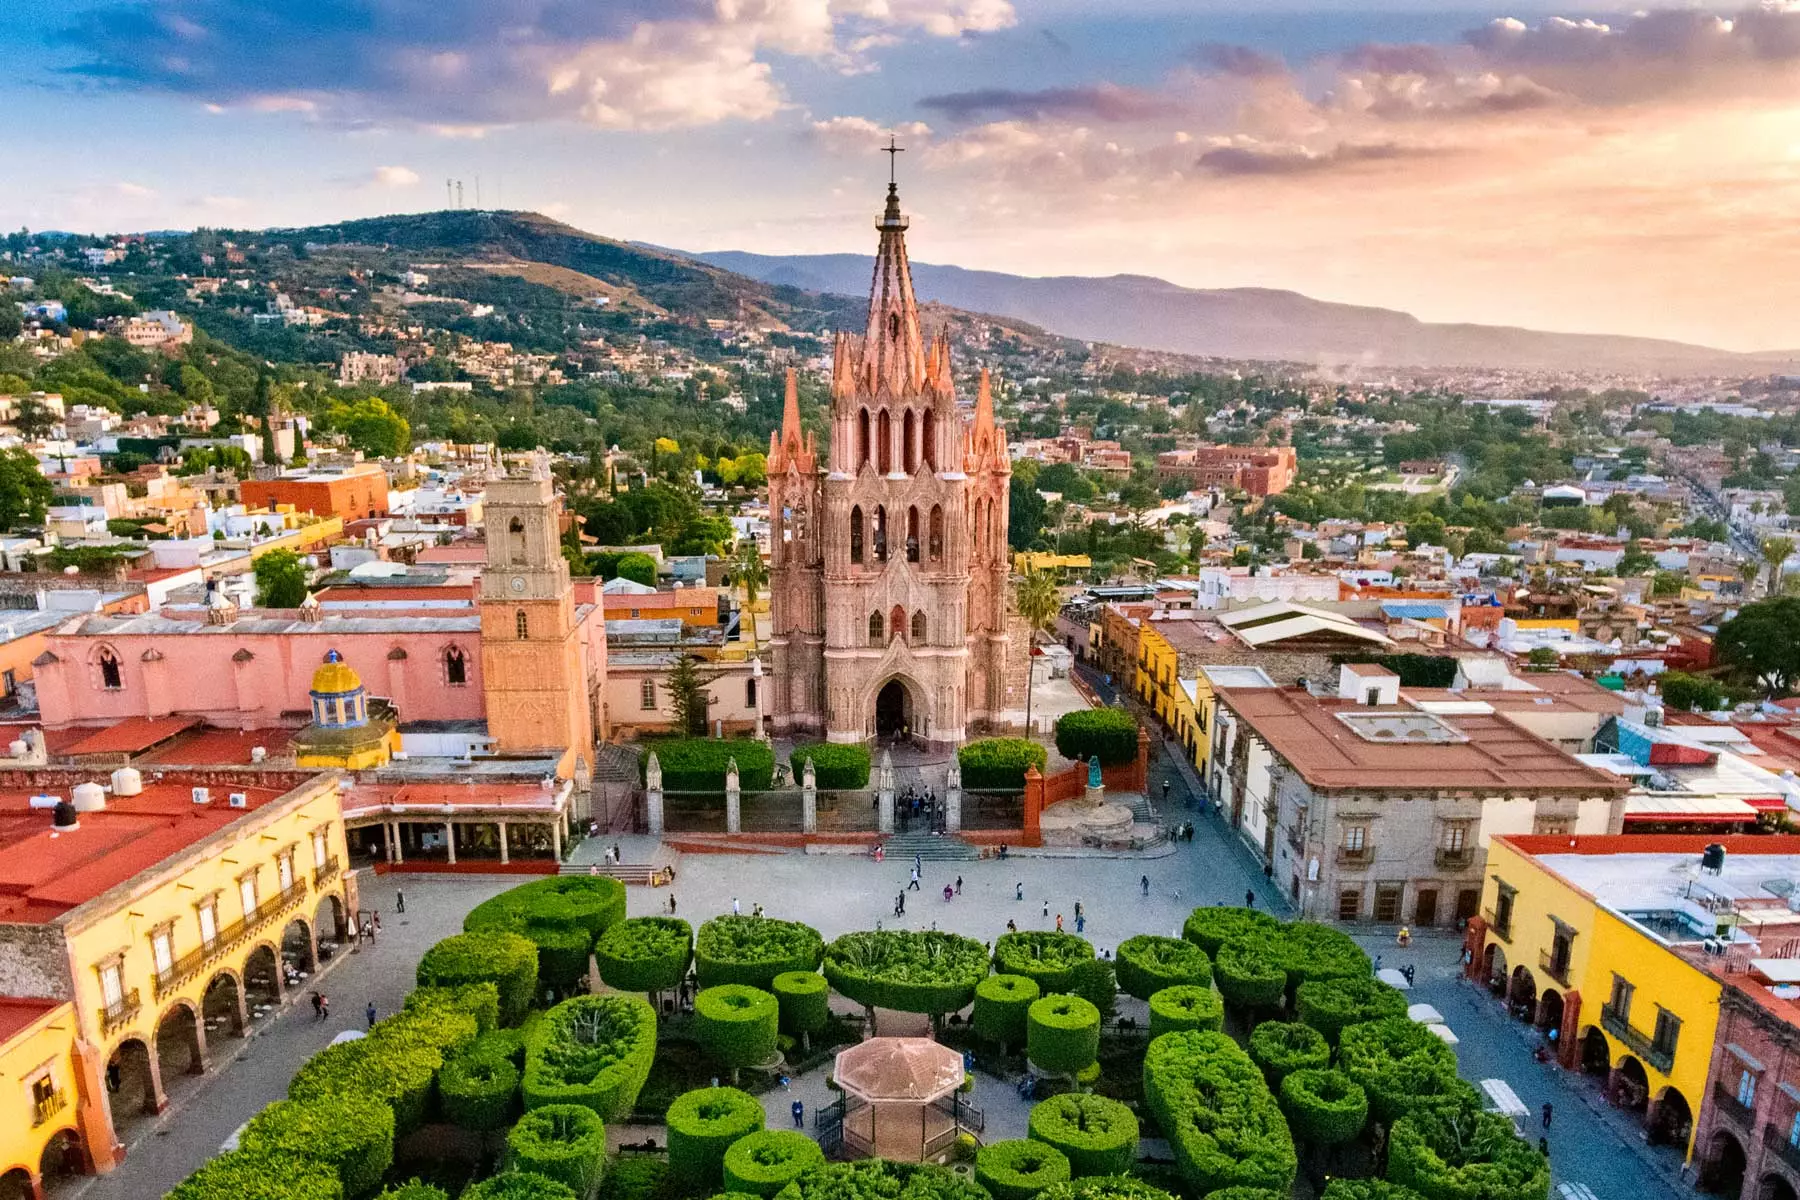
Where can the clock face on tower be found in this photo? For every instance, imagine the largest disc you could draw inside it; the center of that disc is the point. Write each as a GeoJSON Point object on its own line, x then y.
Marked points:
{"type": "Point", "coordinates": [518, 583]}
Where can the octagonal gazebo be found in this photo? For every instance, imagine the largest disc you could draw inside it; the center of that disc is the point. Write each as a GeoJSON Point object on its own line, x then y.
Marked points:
{"type": "Point", "coordinates": [900, 1097]}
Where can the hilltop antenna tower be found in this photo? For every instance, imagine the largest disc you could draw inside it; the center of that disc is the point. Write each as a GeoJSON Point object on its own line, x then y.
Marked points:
{"type": "Point", "coordinates": [449, 195]}
{"type": "Point", "coordinates": [459, 198]}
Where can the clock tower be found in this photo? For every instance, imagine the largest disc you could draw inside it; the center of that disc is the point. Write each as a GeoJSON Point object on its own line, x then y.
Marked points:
{"type": "Point", "coordinates": [532, 662]}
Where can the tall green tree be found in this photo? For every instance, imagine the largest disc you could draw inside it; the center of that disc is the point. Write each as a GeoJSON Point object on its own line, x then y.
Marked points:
{"type": "Point", "coordinates": [280, 580]}
{"type": "Point", "coordinates": [687, 696]}
{"type": "Point", "coordinates": [24, 492]}
{"type": "Point", "coordinates": [1775, 552]}
{"type": "Point", "coordinates": [748, 570]}
{"type": "Point", "coordinates": [1763, 643]}
{"type": "Point", "coordinates": [1039, 602]}
{"type": "Point", "coordinates": [372, 427]}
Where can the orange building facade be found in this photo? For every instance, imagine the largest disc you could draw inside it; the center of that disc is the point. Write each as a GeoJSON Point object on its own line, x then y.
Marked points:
{"type": "Point", "coordinates": [354, 494]}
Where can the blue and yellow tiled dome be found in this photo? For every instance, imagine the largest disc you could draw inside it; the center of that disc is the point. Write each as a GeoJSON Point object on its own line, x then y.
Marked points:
{"type": "Point", "coordinates": [338, 700]}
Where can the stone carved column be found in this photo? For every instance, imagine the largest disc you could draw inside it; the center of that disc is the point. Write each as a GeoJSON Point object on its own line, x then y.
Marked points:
{"type": "Point", "coordinates": [809, 800]}
{"type": "Point", "coordinates": [733, 798]}
{"type": "Point", "coordinates": [653, 795]}
{"type": "Point", "coordinates": [953, 799]}
{"type": "Point", "coordinates": [884, 791]}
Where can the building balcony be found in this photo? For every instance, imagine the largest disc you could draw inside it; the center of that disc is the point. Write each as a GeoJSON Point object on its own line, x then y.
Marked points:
{"type": "Point", "coordinates": [184, 969]}
{"type": "Point", "coordinates": [1456, 859]}
{"type": "Point", "coordinates": [45, 1107]}
{"type": "Point", "coordinates": [1501, 931]}
{"type": "Point", "coordinates": [1355, 856]}
{"type": "Point", "coordinates": [1726, 1104]}
{"type": "Point", "coordinates": [1776, 1139]}
{"type": "Point", "coordinates": [1555, 968]}
{"type": "Point", "coordinates": [1639, 1043]}
{"type": "Point", "coordinates": [116, 1016]}
{"type": "Point", "coordinates": [327, 872]}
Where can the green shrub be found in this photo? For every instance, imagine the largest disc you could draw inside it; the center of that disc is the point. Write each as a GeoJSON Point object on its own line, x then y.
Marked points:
{"type": "Point", "coordinates": [805, 1000]}
{"type": "Point", "coordinates": [998, 764]}
{"type": "Point", "coordinates": [1175, 1009]}
{"type": "Point", "coordinates": [508, 961]}
{"type": "Point", "coordinates": [637, 1177]}
{"type": "Point", "coordinates": [478, 1000]}
{"type": "Point", "coordinates": [441, 1019]}
{"type": "Point", "coordinates": [1094, 982]}
{"type": "Point", "coordinates": [702, 1126]}
{"type": "Point", "coordinates": [1247, 978]}
{"type": "Point", "coordinates": [1019, 1170]}
{"type": "Point", "coordinates": [479, 1090]}
{"type": "Point", "coordinates": [1324, 1107]}
{"type": "Point", "coordinates": [244, 1175]}
{"type": "Point", "coordinates": [1099, 1136]}
{"type": "Point", "coordinates": [919, 972]}
{"type": "Point", "coordinates": [1330, 1005]}
{"type": "Point", "coordinates": [413, 1190]}
{"type": "Point", "coordinates": [500, 1043]}
{"type": "Point", "coordinates": [519, 1185]}
{"type": "Point", "coordinates": [1245, 1193]}
{"type": "Point", "coordinates": [1109, 734]}
{"type": "Point", "coordinates": [880, 1179]}
{"type": "Point", "coordinates": [563, 915]}
{"type": "Point", "coordinates": [1366, 1189]}
{"type": "Point", "coordinates": [353, 1135]}
{"type": "Point", "coordinates": [1282, 1047]}
{"type": "Point", "coordinates": [736, 1024]}
{"type": "Point", "coordinates": [564, 1142]}
{"type": "Point", "coordinates": [1048, 957]}
{"type": "Point", "coordinates": [1308, 951]}
{"type": "Point", "coordinates": [1001, 1005]}
{"type": "Point", "coordinates": [1062, 1034]}
{"type": "Point", "coordinates": [645, 954]}
{"type": "Point", "coordinates": [1105, 1187]}
{"type": "Point", "coordinates": [1443, 1155]}
{"type": "Point", "coordinates": [754, 950]}
{"type": "Point", "coordinates": [1212, 1103]}
{"type": "Point", "coordinates": [1402, 1065]}
{"type": "Point", "coordinates": [836, 768]}
{"type": "Point", "coordinates": [762, 1163]}
{"type": "Point", "coordinates": [1147, 964]}
{"type": "Point", "coordinates": [698, 764]}
{"type": "Point", "coordinates": [592, 1050]}
{"type": "Point", "coordinates": [397, 1073]}
{"type": "Point", "coordinates": [1210, 928]}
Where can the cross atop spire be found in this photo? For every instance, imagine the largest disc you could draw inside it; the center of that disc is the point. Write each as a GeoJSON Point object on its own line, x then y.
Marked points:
{"type": "Point", "coordinates": [893, 149]}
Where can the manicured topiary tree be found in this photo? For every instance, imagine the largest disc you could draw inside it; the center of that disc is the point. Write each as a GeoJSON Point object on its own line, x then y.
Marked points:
{"type": "Point", "coordinates": [1307, 950]}
{"type": "Point", "coordinates": [399, 1074]}
{"type": "Point", "coordinates": [1099, 1136]}
{"type": "Point", "coordinates": [1179, 1008]}
{"type": "Point", "coordinates": [563, 916]}
{"type": "Point", "coordinates": [519, 1185]}
{"type": "Point", "coordinates": [699, 764]}
{"type": "Point", "coordinates": [923, 972]}
{"type": "Point", "coordinates": [805, 1001]}
{"type": "Point", "coordinates": [564, 1142]}
{"type": "Point", "coordinates": [1210, 928]}
{"type": "Point", "coordinates": [754, 950]}
{"type": "Point", "coordinates": [637, 1177]}
{"type": "Point", "coordinates": [737, 1025]}
{"type": "Point", "coordinates": [1247, 978]}
{"type": "Point", "coordinates": [414, 1190]}
{"type": "Point", "coordinates": [1324, 1108]}
{"type": "Point", "coordinates": [1147, 964]}
{"type": "Point", "coordinates": [1245, 1193]}
{"type": "Point", "coordinates": [836, 768]}
{"type": "Point", "coordinates": [1019, 1170]}
{"type": "Point", "coordinates": [478, 1000]}
{"type": "Point", "coordinates": [1048, 957]}
{"type": "Point", "coordinates": [998, 764]}
{"type": "Point", "coordinates": [761, 1164]}
{"type": "Point", "coordinates": [1109, 734]}
{"type": "Point", "coordinates": [479, 1090]}
{"type": "Point", "coordinates": [508, 961]}
{"type": "Point", "coordinates": [245, 1175]}
{"type": "Point", "coordinates": [1105, 1187]}
{"type": "Point", "coordinates": [1062, 1034]}
{"type": "Point", "coordinates": [645, 954]}
{"type": "Point", "coordinates": [1445, 1154]}
{"type": "Point", "coordinates": [882, 1179]}
{"type": "Point", "coordinates": [592, 1050]}
{"type": "Point", "coordinates": [702, 1126]}
{"type": "Point", "coordinates": [1281, 1047]}
{"type": "Point", "coordinates": [1001, 1005]}
{"type": "Point", "coordinates": [1329, 1005]}
{"type": "Point", "coordinates": [1402, 1066]}
{"type": "Point", "coordinates": [1366, 1189]}
{"type": "Point", "coordinates": [1214, 1106]}
{"type": "Point", "coordinates": [352, 1134]}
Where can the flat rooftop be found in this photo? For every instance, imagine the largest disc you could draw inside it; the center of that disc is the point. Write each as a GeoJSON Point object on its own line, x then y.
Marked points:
{"type": "Point", "coordinates": [45, 872]}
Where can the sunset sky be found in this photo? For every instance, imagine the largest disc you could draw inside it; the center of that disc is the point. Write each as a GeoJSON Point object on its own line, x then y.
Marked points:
{"type": "Point", "coordinates": [1604, 170]}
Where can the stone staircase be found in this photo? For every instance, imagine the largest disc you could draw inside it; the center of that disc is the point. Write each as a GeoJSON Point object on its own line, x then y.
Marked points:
{"type": "Point", "coordinates": [630, 874]}
{"type": "Point", "coordinates": [616, 763]}
{"type": "Point", "coordinates": [903, 846]}
{"type": "Point", "coordinates": [1139, 804]}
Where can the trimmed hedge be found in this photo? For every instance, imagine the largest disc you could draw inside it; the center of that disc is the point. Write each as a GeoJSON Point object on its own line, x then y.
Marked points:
{"type": "Point", "coordinates": [563, 916]}
{"type": "Point", "coordinates": [1048, 957]}
{"type": "Point", "coordinates": [1146, 964]}
{"type": "Point", "coordinates": [1175, 1009]}
{"type": "Point", "coordinates": [1019, 1170]}
{"type": "Point", "coordinates": [1465, 1156]}
{"type": "Point", "coordinates": [1324, 1107]}
{"type": "Point", "coordinates": [1402, 1066]}
{"type": "Point", "coordinates": [243, 1175]}
{"type": "Point", "coordinates": [998, 764]}
{"type": "Point", "coordinates": [1213, 1105]}
{"type": "Point", "coordinates": [907, 971]}
{"type": "Point", "coordinates": [564, 1142]}
{"type": "Point", "coordinates": [762, 1163]}
{"type": "Point", "coordinates": [637, 1177]}
{"type": "Point", "coordinates": [736, 1024]}
{"type": "Point", "coordinates": [478, 1000]}
{"type": "Point", "coordinates": [754, 950]}
{"type": "Point", "coordinates": [1109, 734]}
{"type": "Point", "coordinates": [1105, 1187]}
{"type": "Point", "coordinates": [702, 1125]}
{"type": "Point", "coordinates": [1210, 928]}
{"type": "Point", "coordinates": [1366, 1189]}
{"type": "Point", "coordinates": [353, 1135]}
{"type": "Point", "coordinates": [1331, 1005]}
{"type": "Point", "coordinates": [880, 1179]}
{"type": "Point", "coordinates": [592, 1050]}
{"type": "Point", "coordinates": [479, 1089]}
{"type": "Point", "coordinates": [698, 764]}
{"type": "Point", "coordinates": [805, 1001]}
{"type": "Point", "coordinates": [1307, 951]}
{"type": "Point", "coordinates": [1283, 1047]}
{"type": "Point", "coordinates": [645, 954]}
{"type": "Point", "coordinates": [396, 1063]}
{"type": "Point", "coordinates": [508, 961]}
{"type": "Point", "coordinates": [1099, 1136]}
{"type": "Point", "coordinates": [414, 1190]}
{"type": "Point", "coordinates": [836, 768]}
{"type": "Point", "coordinates": [519, 1185]}
{"type": "Point", "coordinates": [1062, 1034]}
{"type": "Point", "coordinates": [1247, 978]}
{"type": "Point", "coordinates": [1001, 1006]}
{"type": "Point", "coordinates": [1244, 1193]}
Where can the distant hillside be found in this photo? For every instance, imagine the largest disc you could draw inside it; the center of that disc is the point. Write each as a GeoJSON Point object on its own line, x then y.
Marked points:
{"type": "Point", "coordinates": [1255, 323]}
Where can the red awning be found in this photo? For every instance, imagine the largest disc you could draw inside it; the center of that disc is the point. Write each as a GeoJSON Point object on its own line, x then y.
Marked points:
{"type": "Point", "coordinates": [1766, 803]}
{"type": "Point", "coordinates": [1690, 818]}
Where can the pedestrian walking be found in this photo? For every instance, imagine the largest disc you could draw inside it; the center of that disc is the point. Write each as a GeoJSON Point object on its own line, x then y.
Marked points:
{"type": "Point", "coordinates": [947, 893]}
{"type": "Point", "coordinates": [799, 1111]}
{"type": "Point", "coordinates": [914, 885]}
{"type": "Point", "coordinates": [918, 862]}
{"type": "Point", "coordinates": [1165, 791]}
{"type": "Point", "coordinates": [959, 885]}
{"type": "Point", "coordinates": [1059, 927]}
{"type": "Point", "coordinates": [400, 902]}
{"type": "Point", "coordinates": [1080, 923]}
{"type": "Point", "coordinates": [1012, 926]}
{"type": "Point", "coordinates": [737, 910]}
{"type": "Point", "coordinates": [1377, 964]}
{"type": "Point", "coordinates": [324, 1007]}
{"type": "Point", "coordinates": [1249, 897]}
{"type": "Point", "coordinates": [1144, 883]}
{"type": "Point", "coordinates": [671, 904]}
{"type": "Point", "coordinates": [617, 858]}
{"type": "Point", "coordinates": [785, 1081]}
{"type": "Point", "coordinates": [318, 1003]}
{"type": "Point", "coordinates": [900, 905]}
{"type": "Point", "coordinates": [377, 924]}
{"type": "Point", "coordinates": [1547, 1113]}
{"type": "Point", "coordinates": [1046, 908]}
{"type": "Point", "coordinates": [1019, 890]}
{"type": "Point", "coordinates": [370, 1013]}
{"type": "Point", "coordinates": [1078, 909]}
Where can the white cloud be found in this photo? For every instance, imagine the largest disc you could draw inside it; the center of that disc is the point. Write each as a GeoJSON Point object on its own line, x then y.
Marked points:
{"type": "Point", "coordinates": [394, 177]}
{"type": "Point", "coordinates": [859, 135]}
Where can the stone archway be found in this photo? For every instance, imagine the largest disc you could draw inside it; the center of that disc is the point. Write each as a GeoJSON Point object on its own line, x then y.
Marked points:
{"type": "Point", "coordinates": [331, 925]}
{"type": "Point", "coordinates": [133, 1086]}
{"type": "Point", "coordinates": [262, 982]}
{"type": "Point", "coordinates": [298, 954]}
{"type": "Point", "coordinates": [1723, 1171]}
{"type": "Point", "coordinates": [64, 1158]}
{"type": "Point", "coordinates": [1775, 1186]}
{"type": "Point", "coordinates": [16, 1185]}
{"type": "Point", "coordinates": [1631, 1085]}
{"type": "Point", "coordinates": [180, 1046]}
{"type": "Point", "coordinates": [1493, 968]}
{"type": "Point", "coordinates": [1670, 1121]}
{"type": "Point", "coordinates": [1596, 1053]}
{"type": "Point", "coordinates": [1522, 995]}
{"type": "Point", "coordinates": [1549, 1010]}
{"type": "Point", "coordinates": [222, 1006]}
{"type": "Point", "coordinates": [896, 712]}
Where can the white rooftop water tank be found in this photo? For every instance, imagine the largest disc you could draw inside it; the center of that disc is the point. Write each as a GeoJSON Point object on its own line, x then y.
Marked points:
{"type": "Point", "coordinates": [88, 797]}
{"type": "Point", "coordinates": [127, 781]}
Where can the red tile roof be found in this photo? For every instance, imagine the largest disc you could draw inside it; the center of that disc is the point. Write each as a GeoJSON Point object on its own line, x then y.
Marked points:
{"type": "Point", "coordinates": [131, 735]}
{"type": "Point", "coordinates": [219, 747]}
{"type": "Point", "coordinates": [18, 1012]}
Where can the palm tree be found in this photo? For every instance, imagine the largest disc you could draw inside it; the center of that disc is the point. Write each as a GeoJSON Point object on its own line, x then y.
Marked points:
{"type": "Point", "coordinates": [1775, 552]}
{"type": "Point", "coordinates": [747, 568]}
{"type": "Point", "coordinates": [1039, 601]}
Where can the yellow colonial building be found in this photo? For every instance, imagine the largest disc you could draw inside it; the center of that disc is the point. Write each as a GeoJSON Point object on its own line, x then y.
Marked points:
{"type": "Point", "coordinates": [1601, 943]}
{"type": "Point", "coordinates": [142, 924]}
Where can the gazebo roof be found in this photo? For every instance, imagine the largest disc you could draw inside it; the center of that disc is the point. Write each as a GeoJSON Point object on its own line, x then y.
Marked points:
{"type": "Point", "coordinates": [889, 1069]}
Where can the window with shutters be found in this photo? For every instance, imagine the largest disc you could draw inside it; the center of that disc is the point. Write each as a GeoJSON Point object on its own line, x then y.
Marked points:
{"type": "Point", "coordinates": [247, 893]}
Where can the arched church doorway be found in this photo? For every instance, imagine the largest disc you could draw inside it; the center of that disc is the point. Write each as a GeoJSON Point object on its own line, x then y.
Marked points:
{"type": "Point", "coordinates": [893, 710]}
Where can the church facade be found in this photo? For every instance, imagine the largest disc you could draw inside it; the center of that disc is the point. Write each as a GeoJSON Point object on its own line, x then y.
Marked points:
{"type": "Point", "coordinates": [889, 567]}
